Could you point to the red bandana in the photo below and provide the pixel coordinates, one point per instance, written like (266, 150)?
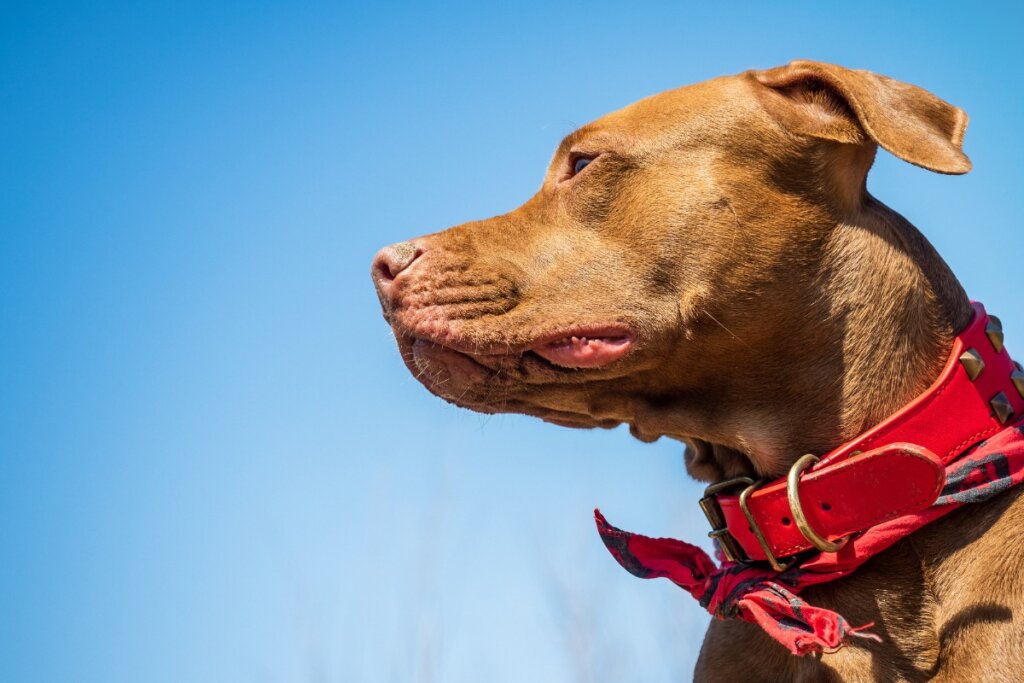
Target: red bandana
(939, 441)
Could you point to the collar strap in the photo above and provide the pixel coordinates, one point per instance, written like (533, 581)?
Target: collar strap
(894, 469)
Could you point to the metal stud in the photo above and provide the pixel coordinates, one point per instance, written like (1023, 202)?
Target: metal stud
(994, 330)
(1017, 377)
(1001, 407)
(972, 362)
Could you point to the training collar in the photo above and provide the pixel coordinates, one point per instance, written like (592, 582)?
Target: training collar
(831, 513)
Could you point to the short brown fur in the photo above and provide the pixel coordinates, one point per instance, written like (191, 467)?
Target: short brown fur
(778, 309)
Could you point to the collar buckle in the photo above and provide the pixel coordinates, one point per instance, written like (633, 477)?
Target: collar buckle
(731, 548)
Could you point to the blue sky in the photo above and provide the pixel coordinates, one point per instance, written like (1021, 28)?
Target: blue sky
(214, 465)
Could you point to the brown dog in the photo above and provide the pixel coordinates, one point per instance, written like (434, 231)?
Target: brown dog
(707, 265)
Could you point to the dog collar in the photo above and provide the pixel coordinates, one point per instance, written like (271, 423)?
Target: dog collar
(954, 445)
(896, 468)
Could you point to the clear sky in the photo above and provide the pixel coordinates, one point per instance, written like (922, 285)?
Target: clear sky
(214, 467)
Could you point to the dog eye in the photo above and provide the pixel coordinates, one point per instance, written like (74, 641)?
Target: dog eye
(580, 164)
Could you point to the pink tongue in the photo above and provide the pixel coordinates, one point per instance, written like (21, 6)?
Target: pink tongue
(581, 352)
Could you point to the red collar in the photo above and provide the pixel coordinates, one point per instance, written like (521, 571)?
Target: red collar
(954, 445)
(896, 468)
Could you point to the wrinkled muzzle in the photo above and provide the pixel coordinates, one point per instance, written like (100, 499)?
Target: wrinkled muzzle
(467, 331)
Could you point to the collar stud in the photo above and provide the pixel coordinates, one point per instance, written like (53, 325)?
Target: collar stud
(1017, 377)
(1001, 407)
(994, 331)
(972, 362)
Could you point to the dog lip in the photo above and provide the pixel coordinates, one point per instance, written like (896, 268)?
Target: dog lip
(578, 347)
(585, 347)
(456, 345)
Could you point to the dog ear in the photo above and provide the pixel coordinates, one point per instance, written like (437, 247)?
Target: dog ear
(845, 105)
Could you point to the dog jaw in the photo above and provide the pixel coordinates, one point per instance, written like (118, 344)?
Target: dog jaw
(494, 377)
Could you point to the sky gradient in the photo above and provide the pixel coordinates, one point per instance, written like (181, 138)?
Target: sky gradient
(215, 466)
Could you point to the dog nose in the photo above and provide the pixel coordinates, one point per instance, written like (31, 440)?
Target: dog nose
(391, 261)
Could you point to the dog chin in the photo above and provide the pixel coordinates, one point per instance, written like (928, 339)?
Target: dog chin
(469, 382)
(452, 375)
(444, 371)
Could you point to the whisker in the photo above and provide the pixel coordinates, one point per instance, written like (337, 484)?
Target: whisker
(733, 334)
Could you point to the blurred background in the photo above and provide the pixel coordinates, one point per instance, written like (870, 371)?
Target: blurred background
(214, 466)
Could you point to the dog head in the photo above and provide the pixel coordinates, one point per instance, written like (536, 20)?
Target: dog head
(671, 261)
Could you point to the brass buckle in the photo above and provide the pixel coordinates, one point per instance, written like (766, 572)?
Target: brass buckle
(793, 495)
(731, 548)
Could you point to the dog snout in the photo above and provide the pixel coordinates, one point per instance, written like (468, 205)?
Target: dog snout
(392, 261)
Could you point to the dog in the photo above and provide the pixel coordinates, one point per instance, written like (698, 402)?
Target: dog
(707, 265)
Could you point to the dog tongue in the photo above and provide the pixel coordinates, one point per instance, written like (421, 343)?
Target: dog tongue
(584, 352)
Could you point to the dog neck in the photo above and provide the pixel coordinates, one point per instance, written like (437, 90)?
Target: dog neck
(873, 334)
(896, 306)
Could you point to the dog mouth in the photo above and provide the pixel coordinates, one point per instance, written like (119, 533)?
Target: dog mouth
(509, 377)
(547, 358)
(577, 348)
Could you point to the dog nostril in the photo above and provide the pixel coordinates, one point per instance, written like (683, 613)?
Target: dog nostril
(384, 270)
(390, 261)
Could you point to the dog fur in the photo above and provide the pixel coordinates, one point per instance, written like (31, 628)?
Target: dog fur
(775, 308)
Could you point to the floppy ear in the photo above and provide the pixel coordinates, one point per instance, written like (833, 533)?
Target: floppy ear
(845, 105)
